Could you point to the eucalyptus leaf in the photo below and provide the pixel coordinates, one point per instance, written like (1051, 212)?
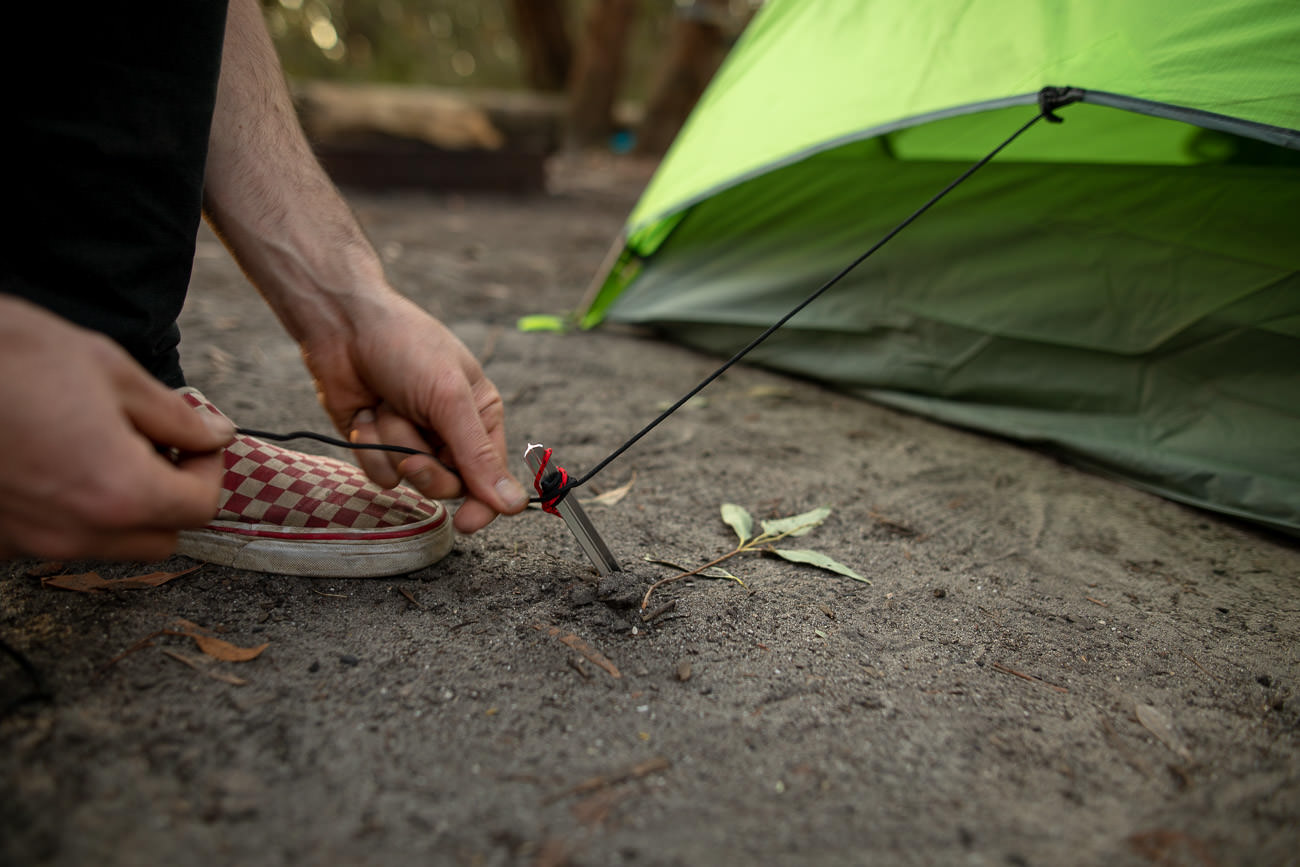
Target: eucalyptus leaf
(796, 525)
(739, 520)
(818, 559)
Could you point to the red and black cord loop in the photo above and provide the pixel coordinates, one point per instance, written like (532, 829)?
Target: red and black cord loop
(550, 486)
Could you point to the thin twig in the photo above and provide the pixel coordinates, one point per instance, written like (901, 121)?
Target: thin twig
(591, 784)
(410, 597)
(1197, 664)
(645, 600)
(1006, 669)
(894, 526)
(659, 612)
(147, 641)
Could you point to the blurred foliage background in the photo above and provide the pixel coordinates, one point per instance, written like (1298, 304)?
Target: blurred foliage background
(463, 43)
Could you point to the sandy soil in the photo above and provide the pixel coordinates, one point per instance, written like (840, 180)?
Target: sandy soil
(1047, 668)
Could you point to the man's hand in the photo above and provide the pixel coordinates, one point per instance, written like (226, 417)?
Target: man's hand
(80, 474)
(401, 377)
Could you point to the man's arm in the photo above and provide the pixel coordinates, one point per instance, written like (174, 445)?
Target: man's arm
(385, 369)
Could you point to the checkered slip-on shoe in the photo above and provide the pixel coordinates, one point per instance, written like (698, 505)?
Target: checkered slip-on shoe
(296, 514)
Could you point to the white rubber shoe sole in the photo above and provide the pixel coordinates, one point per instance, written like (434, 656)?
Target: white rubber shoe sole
(321, 552)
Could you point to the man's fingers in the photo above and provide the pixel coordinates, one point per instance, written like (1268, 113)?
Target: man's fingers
(83, 475)
(472, 516)
(133, 515)
(431, 478)
(137, 545)
(435, 477)
(376, 464)
(387, 469)
(164, 417)
(148, 491)
(479, 452)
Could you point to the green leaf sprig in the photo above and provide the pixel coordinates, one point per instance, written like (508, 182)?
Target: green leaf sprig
(738, 518)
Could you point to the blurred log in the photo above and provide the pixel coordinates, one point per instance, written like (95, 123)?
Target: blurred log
(438, 118)
(379, 162)
(382, 137)
(696, 50)
(598, 71)
(544, 43)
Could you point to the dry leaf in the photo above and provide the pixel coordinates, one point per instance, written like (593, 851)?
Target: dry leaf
(612, 496)
(86, 582)
(92, 582)
(152, 579)
(202, 665)
(227, 677)
(40, 570)
(1160, 725)
(224, 650)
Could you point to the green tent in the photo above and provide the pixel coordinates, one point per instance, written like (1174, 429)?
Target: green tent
(1121, 286)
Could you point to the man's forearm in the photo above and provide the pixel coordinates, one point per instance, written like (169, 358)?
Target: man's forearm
(269, 198)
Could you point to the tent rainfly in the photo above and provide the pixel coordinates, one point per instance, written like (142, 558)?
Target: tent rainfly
(1121, 287)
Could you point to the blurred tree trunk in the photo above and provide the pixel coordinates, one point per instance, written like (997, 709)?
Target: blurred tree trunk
(544, 42)
(695, 51)
(598, 71)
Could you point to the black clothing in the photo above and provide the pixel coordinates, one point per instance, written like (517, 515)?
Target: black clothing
(104, 147)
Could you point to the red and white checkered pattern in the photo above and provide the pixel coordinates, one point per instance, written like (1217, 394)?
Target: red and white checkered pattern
(266, 484)
(311, 510)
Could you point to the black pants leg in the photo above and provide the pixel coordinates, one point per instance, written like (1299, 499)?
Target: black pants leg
(104, 146)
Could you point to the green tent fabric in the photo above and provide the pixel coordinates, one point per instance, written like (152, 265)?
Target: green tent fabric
(1122, 286)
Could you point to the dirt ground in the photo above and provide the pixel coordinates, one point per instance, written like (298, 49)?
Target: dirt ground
(1048, 667)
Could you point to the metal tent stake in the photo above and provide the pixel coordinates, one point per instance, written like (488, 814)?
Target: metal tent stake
(579, 524)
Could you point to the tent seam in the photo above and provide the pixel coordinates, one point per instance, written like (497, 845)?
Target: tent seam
(1275, 135)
